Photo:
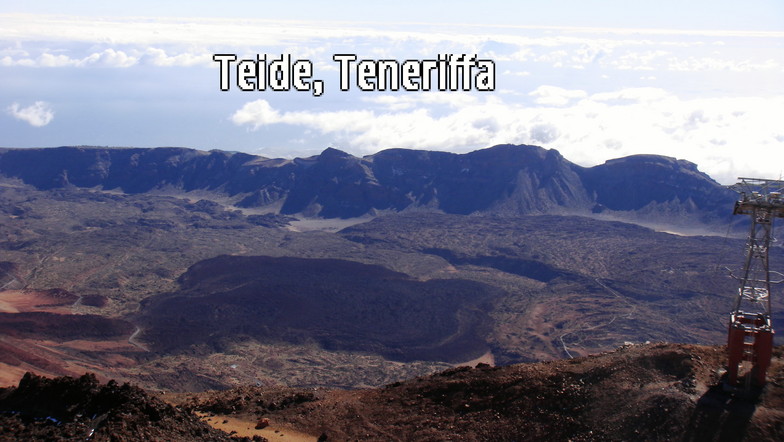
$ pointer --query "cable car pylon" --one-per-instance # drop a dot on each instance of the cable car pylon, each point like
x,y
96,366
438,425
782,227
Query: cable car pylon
x,y
750,335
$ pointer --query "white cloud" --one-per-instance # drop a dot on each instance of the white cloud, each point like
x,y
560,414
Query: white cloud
x,y
519,52
113,58
106,58
639,60
159,57
556,58
109,58
696,64
555,96
544,133
632,95
50,60
368,131
590,130
516,73
148,31
257,113
37,114
409,101
589,53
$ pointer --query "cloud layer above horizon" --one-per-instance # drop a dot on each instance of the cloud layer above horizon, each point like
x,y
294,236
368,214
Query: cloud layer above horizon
x,y
712,97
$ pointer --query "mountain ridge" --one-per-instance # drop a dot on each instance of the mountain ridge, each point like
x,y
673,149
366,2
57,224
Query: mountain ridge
x,y
500,180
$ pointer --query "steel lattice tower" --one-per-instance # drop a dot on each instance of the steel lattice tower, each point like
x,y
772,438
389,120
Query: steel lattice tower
x,y
750,336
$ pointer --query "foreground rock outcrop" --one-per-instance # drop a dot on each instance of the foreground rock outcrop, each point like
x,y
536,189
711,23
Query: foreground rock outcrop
x,y
69,408
637,392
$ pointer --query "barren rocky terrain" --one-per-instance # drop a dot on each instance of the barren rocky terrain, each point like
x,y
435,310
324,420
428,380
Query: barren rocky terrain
x,y
637,392
522,288
651,392
177,281
81,408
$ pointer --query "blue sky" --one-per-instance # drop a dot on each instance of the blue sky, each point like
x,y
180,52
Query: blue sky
x,y
697,80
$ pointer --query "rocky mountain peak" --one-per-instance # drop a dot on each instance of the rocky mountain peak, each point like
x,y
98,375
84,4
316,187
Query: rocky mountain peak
x,y
331,152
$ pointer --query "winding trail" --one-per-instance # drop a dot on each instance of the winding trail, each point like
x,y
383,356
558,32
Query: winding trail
x,y
132,339
628,315
566,350
13,280
632,307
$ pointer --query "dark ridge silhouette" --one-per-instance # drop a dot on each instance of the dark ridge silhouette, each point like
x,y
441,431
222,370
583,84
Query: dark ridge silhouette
x,y
504,179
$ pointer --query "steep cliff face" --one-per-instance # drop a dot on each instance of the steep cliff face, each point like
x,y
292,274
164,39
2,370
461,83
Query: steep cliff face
x,y
657,185
517,179
631,183
505,179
